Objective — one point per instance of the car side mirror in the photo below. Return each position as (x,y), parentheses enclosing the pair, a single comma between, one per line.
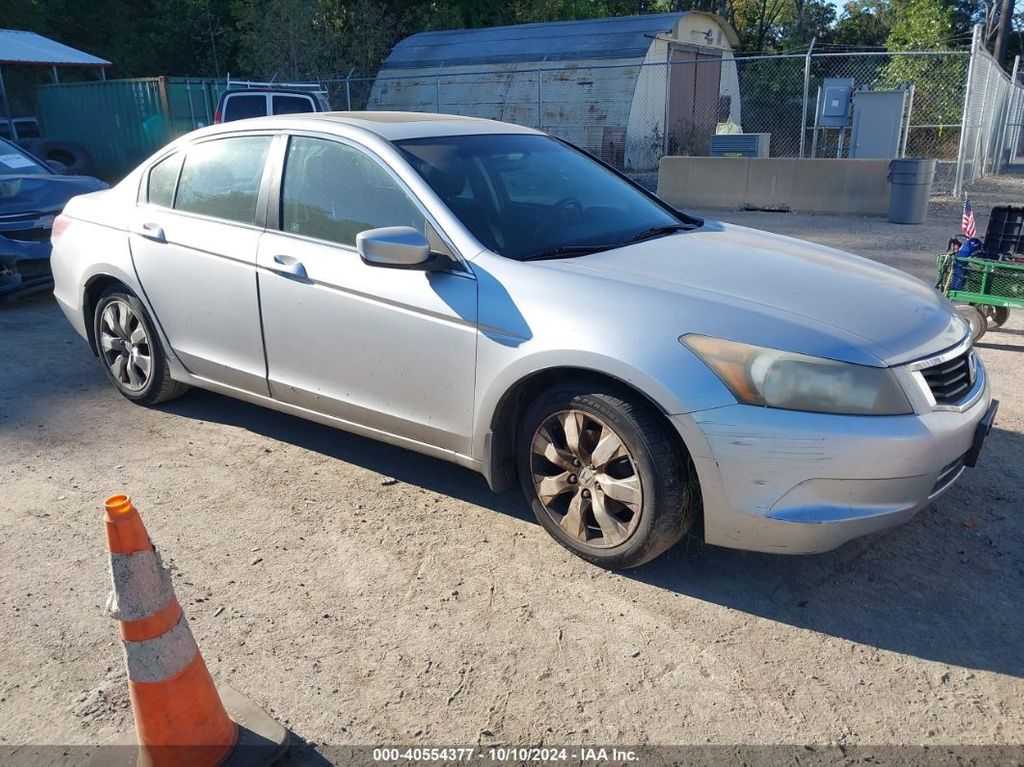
(398,247)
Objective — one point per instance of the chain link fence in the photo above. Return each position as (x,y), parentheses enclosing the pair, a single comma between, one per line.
(960,107)
(993,109)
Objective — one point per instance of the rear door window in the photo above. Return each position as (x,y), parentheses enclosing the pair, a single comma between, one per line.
(162,178)
(290,105)
(243,106)
(221,178)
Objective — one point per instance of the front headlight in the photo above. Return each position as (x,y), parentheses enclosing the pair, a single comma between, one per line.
(773,378)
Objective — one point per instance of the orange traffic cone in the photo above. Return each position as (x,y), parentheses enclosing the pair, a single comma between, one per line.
(180,718)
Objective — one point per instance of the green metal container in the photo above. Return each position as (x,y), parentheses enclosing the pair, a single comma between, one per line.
(121,122)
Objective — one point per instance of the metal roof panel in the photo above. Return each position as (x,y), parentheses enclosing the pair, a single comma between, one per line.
(612,37)
(20,47)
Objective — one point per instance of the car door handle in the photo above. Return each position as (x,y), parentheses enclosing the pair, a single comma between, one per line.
(153,232)
(289,266)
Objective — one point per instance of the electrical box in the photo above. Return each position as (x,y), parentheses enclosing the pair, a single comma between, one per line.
(740,145)
(834,108)
(878,124)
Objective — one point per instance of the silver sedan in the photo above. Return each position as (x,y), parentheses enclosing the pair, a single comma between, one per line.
(490,295)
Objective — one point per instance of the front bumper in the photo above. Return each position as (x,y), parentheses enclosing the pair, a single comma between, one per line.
(20,276)
(24,264)
(799,483)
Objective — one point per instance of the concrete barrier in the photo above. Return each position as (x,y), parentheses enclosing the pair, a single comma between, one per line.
(776,183)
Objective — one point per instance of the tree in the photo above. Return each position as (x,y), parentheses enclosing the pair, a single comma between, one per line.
(924,25)
(919,25)
(811,19)
(759,22)
(140,37)
(863,23)
(1003,29)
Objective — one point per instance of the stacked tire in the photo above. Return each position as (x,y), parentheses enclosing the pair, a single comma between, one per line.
(74,157)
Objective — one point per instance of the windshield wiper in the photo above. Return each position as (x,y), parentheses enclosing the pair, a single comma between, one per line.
(659,231)
(564,251)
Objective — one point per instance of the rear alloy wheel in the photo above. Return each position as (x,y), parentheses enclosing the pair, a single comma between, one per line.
(125,346)
(130,350)
(604,475)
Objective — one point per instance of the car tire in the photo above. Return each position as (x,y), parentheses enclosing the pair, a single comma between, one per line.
(130,350)
(74,157)
(974,317)
(999,315)
(615,506)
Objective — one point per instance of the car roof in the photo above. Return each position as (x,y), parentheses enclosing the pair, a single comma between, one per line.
(391,126)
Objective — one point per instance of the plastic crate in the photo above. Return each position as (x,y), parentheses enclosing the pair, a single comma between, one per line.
(1005,234)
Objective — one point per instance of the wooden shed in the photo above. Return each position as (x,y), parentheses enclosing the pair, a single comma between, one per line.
(604,84)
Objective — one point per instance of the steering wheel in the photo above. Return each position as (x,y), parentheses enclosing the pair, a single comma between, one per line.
(556,212)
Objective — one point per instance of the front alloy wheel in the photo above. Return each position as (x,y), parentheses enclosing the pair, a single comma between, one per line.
(605,474)
(586,479)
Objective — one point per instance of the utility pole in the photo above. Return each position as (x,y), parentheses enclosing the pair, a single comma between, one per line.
(1003,30)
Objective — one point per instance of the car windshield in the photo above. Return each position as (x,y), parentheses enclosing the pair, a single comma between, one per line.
(15,161)
(527,196)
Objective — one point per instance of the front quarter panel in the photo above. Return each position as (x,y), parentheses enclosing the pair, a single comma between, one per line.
(533,319)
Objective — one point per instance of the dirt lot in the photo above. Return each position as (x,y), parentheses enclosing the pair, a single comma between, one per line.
(367,595)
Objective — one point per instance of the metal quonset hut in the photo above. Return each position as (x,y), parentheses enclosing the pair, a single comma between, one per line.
(600,83)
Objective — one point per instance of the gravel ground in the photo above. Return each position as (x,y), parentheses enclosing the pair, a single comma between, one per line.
(367,595)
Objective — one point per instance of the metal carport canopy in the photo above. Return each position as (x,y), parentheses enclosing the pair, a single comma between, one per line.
(31,49)
(19,47)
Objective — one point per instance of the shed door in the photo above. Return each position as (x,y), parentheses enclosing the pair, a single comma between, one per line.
(693,104)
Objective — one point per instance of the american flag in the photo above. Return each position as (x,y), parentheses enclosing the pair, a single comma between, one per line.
(968,225)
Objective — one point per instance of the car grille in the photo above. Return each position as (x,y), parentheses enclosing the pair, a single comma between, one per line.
(949,381)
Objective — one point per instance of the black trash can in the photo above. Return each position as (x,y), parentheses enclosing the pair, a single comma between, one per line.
(911,179)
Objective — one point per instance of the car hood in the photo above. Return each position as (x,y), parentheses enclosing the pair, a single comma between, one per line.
(37,193)
(746,285)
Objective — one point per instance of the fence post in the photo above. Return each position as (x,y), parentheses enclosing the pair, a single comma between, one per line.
(1008,113)
(910,117)
(668,85)
(437,93)
(985,133)
(1017,116)
(348,89)
(191,109)
(207,91)
(807,87)
(961,156)
(539,103)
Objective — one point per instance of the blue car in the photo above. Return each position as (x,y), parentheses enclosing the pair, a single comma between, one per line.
(32,193)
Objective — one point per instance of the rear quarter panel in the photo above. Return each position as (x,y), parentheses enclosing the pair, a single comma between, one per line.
(93,245)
